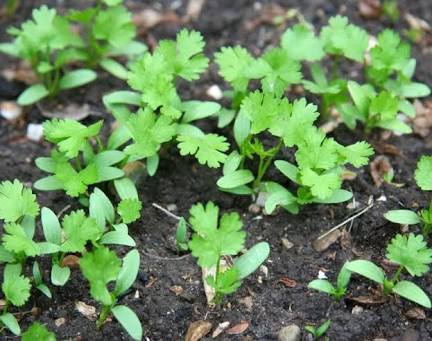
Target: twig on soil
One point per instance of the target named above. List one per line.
(164, 258)
(63, 210)
(168, 213)
(350, 219)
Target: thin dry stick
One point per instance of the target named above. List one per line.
(347, 221)
(167, 212)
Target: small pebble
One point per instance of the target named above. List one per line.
(286, 243)
(172, 207)
(357, 310)
(34, 132)
(10, 110)
(264, 270)
(215, 92)
(291, 332)
(254, 208)
(60, 321)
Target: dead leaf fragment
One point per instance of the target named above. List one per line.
(324, 243)
(198, 330)
(247, 302)
(416, 314)
(71, 111)
(71, 261)
(417, 23)
(381, 169)
(60, 321)
(86, 310)
(370, 9)
(21, 72)
(288, 282)
(220, 329)
(422, 123)
(194, 8)
(238, 328)
(148, 18)
(369, 299)
(176, 289)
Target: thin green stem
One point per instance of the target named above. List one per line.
(103, 316)
(397, 274)
(265, 163)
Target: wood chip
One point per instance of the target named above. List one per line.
(71, 261)
(220, 329)
(60, 321)
(177, 289)
(238, 328)
(370, 9)
(198, 330)
(288, 282)
(87, 310)
(416, 314)
(324, 243)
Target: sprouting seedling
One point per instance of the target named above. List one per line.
(213, 239)
(102, 266)
(423, 179)
(319, 331)
(108, 32)
(38, 331)
(182, 236)
(16, 290)
(338, 291)
(48, 43)
(412, 255)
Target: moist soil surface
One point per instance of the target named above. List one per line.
(270, 299)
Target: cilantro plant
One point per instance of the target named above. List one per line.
(162, 116)
(49, 45)
(412, 255)
(108, 33)
(319, 331)
(214, 239)
(423, 178)
(38, 331)
(79, 160)
(16, 290)
(102, 266)
(341, 284)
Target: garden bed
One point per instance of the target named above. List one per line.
(168, 294)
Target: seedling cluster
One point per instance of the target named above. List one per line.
(101, 171)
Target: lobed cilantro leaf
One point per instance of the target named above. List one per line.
(233, 64)
(100, 267)
(16, 201)
(185, 55)
(78, 230)
(323, 185)
(345, 39)
(70, 135)
(301, 43)
(209, 242)
(357, 154)
(15, 286)
(208, 149)
(228, 281)
(148, 132)
(129, 210)
(423, 173)
(411, 252)
(38, 332)
(385, 105)
(16, 241)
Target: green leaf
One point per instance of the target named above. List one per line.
(117, 238)
(322, 186)
(101, 208)
(338, 196)
(385, 105)
(301, 43)
(100, 267)
(38, 332)
(16, 241)
(152, 164)
(412, 292)
(128, 320)
(423, 173)
(242, 128)
(32, 94)
(208, 149)
(405, 217)
(236, 178)
(51, 226)
(204, 218)
(228, 281)
(59, 275)
(11, 323)
(367, 269)
(414, 90)
(121, 97)
(16, 201)
(322, 285)
(49, 183)
(126, 189)
(344, 277)
(277, 196)
(128, 272)
(15, 286)
(361, 95)
(70, 136)
(181, 235)
(322, 329)
(129, 210)
(77, 78)
(114, 68)
(288, 169)
(196, 110)
(247, 263)
(411, 252)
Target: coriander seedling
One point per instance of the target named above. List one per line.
(412, 255)
(48, 44)
(341, 284)
(102, 266)
(38, 331)
(320, 331)
(213, 239)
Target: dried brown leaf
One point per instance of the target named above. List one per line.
(220, 329)
(324, 243)
(368, 299)
(71, 261)
(422, 123)
(416, 314)
(148, 18)
(194, 8)
(288, 282)
(238, 328)
(71, 111)
(380, 167)
(370, 9)
(176, 289)
(86, 310)
(198, 330)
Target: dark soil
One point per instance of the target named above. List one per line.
(179, 181)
